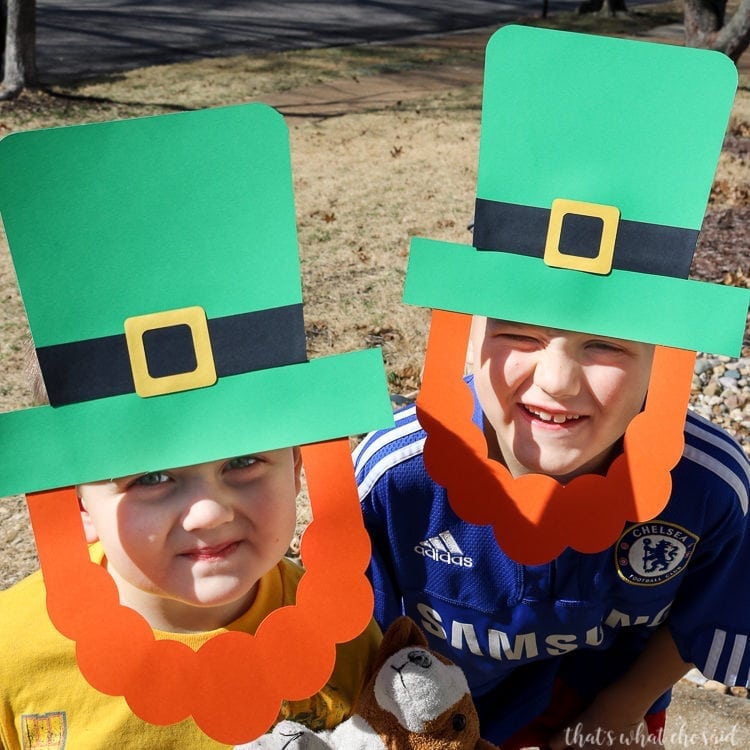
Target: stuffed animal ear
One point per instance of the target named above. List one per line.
(401, 633)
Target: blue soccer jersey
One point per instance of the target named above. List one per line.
(505, 623)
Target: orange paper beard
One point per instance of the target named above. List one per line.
(534, 517)
(234, 684)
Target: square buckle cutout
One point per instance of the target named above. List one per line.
(204, 373)
(602, 262)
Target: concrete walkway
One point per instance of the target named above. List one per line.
(373, 93)
(79, 39)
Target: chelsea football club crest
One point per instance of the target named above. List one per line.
(648, 554)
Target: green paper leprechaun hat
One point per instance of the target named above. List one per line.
(157, 260)
(596, 161)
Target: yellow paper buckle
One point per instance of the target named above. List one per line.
(602, 263)
(205, 372)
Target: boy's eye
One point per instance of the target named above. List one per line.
(511, 333)
(604, 346)
(151, 479)
(241, 462)
(517, 339)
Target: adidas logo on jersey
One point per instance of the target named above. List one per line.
(444, 548)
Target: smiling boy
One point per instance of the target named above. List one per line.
(556, 402)
(555, 522)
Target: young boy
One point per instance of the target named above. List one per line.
(536, 520)
(202, 633)
(197, 551)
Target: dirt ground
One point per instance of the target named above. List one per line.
(384, 147)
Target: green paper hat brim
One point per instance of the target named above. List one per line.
(629, 124)
(45, 447)
(639, 307)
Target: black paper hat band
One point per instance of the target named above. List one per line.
(639, 246)
(103, 367)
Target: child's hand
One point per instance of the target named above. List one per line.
(615, 717)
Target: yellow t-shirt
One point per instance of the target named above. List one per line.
(46, 703)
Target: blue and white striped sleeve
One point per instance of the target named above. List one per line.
(376, 459)
(710, 618)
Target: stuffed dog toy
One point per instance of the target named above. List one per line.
(413, 699)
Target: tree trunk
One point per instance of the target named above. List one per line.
(703, 19)
(3, 17)
(705, 26)
(603, 7)
(19, 69)
(734, 38)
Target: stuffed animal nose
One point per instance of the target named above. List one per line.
(420, 658)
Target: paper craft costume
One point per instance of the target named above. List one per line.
(595, 164)
(157, 260)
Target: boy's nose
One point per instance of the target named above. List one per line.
(206, 511)
(557, 373)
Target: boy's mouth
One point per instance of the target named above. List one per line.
(546, 416)
(212, 553)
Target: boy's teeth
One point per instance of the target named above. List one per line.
(556, 418)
